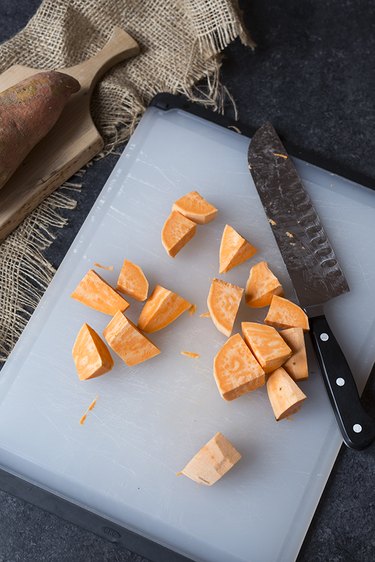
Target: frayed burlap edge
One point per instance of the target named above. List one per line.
(24, 266)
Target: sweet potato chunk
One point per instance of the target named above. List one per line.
(286, 314)
(296, 366)
(162, 308)
(267, 345)
(195, 207)
(234, 249)
(128, 342)
(223, 302)
(285, 396)
(176, 232)
(96, 293)
(236, 370)
(261, 285)
(90, 354)
(132, 281)
(212, 461)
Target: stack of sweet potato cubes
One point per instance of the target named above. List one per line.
(272, 353)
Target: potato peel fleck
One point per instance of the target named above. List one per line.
(107, 267)
(190, 354)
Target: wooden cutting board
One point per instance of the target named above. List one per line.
(73, 141)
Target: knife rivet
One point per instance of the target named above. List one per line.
(324, 336)
(357, 428)
(340, 381)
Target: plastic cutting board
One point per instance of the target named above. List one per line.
(151, 419)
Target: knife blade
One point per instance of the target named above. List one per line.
(314, 271)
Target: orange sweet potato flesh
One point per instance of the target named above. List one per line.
(96, 293)
(296, 366)
(267, 345)
(212, 461)
(261, 285)
(28, 111)
(128, 342)
(285, 396)
(195, 207)
(234, 249)
(177, 232)
(161, 309)
(236, 370)
(223, 302)
(90, 354)
(286, 314)
(132, 281)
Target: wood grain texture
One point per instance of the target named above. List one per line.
(72, 142)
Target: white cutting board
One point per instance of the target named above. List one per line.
(151, 419)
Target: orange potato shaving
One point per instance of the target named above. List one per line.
(195, 207)
(176, 232)
(261, 285)
(91, 407)
(93, 404)
(128, 342)
(132, 281)
(162, 308)
(212, 461)
(90, 354)
(286, 314)
(285, 396)
(223, 302)
(234, 249)
(96, 293)
(236, 370)
(205, 315)
(267, 345)
(190, 354)
(106, 267)
(296, 366)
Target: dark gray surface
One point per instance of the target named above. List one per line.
(312, 76)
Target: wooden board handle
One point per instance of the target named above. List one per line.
(119, 47)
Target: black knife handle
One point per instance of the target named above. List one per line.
(357, 427)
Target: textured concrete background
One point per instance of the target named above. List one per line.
(313, 76)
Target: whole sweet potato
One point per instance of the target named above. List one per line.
(28, 112)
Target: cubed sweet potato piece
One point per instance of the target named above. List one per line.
(236, 370)
(223, 303)
(91, 356)
(212, 461)
(234, 249)
(96, 293)
(296, 366)
(285, 396)
(267, 345)
(128, 342)
(176, 232)
(286, 314)
(132, 281)
(195, 207)
(161, 309)
(261, 285)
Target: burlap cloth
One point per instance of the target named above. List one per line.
(180, 45)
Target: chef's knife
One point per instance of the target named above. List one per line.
(314, 271)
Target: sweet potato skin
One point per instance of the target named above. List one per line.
(28, 111)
